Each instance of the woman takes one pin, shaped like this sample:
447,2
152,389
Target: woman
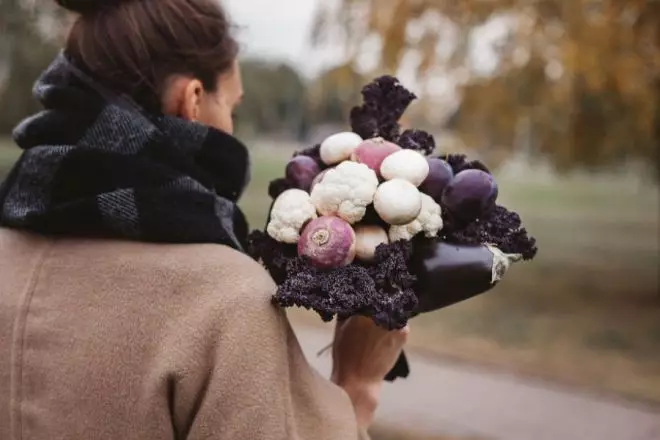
127,308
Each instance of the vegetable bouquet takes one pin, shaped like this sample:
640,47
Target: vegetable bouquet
370,222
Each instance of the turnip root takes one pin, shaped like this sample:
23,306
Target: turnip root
372,152
408,165
367,239
328,242
398,201
339,147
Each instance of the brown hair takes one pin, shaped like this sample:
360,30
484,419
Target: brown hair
133,46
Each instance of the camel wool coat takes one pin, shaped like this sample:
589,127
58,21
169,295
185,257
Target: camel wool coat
109,340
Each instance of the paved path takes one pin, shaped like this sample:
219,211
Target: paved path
463,400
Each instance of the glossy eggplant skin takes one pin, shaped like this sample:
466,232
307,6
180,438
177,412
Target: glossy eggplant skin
449,273
446,274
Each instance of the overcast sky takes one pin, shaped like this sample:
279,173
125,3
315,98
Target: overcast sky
278,29
281,28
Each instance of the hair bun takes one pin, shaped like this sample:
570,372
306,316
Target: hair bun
85,6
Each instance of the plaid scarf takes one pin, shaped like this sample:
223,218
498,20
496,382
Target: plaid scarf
95,164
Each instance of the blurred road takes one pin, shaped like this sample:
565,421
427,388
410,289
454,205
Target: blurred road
462,400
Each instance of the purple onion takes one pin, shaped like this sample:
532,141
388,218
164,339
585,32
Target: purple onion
470,195
440,174
301,171
328,242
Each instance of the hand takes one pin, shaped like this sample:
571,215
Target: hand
363,353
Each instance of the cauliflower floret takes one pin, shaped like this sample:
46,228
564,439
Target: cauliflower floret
404,232
428,221
430,216
291,210
345,191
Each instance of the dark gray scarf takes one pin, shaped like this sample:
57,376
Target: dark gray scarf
95,164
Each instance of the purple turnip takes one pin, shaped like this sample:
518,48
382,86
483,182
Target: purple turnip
301,171
327,242
470,195
373,151
440,174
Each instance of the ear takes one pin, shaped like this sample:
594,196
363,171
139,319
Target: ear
191,100
183,97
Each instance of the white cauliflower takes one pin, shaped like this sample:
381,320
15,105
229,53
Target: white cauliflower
291,210
404,232
428,221
345,191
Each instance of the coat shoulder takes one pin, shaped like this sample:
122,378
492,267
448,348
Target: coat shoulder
200,268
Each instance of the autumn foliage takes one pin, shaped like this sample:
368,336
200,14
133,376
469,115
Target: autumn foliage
580,78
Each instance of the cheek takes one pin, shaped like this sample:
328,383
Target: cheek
217,115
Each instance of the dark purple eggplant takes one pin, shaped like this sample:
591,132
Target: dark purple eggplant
450,273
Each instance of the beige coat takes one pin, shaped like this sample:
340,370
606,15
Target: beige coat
112,340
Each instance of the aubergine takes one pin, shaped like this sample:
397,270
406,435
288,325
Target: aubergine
450,273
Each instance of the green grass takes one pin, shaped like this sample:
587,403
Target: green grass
8,154
586,311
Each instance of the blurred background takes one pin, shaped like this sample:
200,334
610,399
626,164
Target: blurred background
560,97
